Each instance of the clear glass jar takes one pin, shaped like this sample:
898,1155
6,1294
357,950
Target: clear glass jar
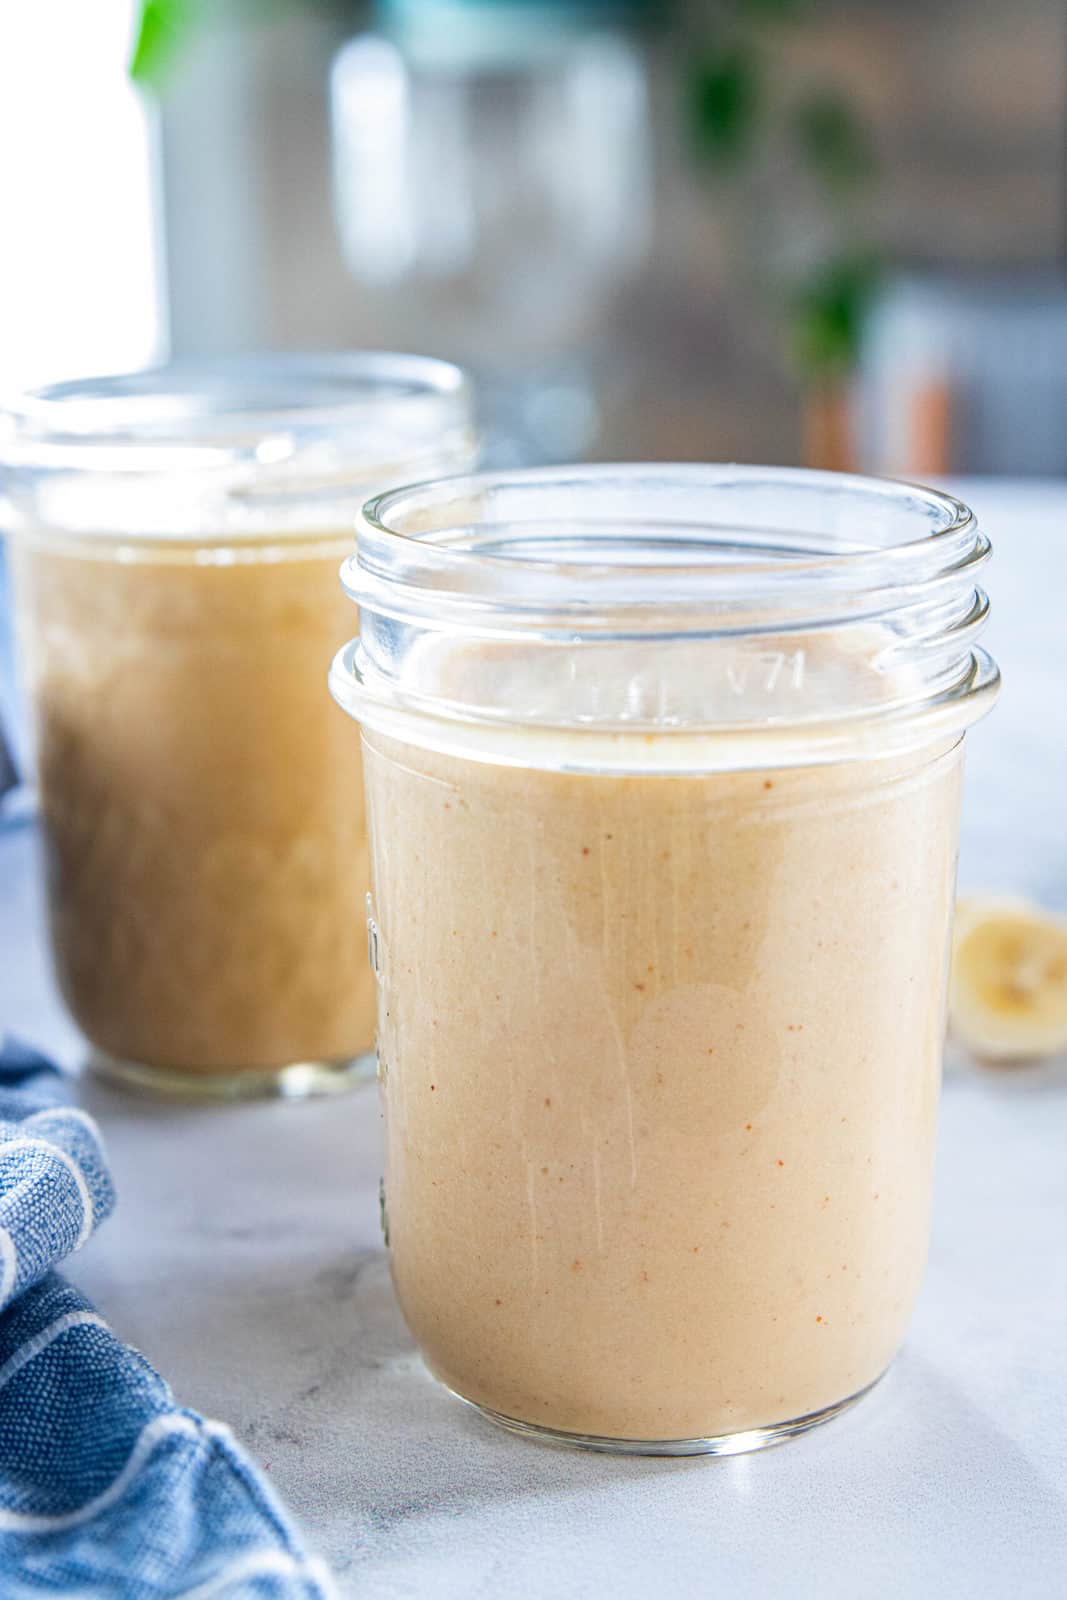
177,536
663,771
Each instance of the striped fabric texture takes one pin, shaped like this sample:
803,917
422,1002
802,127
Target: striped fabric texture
107,1488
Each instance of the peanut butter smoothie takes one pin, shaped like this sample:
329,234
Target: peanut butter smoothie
660,1064
663,781
177,537
198,795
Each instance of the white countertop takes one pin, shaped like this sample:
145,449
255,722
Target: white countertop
245,1261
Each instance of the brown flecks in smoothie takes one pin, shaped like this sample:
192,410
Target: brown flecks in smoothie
876,1196
433,1088
844,1266
818,1319
448,806
768,784
644,1276
666,855
650,968
492,933
609,836
711,1049
576,1266
724,1224
544,1171
826,1199
780,1163
748,1127
548,1101
498,1302
585,849
659,1077
696,1249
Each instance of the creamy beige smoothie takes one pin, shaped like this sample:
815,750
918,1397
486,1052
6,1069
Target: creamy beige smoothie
201,800
660,1058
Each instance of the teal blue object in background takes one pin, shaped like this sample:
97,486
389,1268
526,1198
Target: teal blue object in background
583,10
501,32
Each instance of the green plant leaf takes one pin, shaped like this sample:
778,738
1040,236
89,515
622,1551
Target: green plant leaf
828,314
835,142
164,27
722,104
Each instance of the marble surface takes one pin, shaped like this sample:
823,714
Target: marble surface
245,1261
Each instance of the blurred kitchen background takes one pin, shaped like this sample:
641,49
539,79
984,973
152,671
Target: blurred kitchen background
831,231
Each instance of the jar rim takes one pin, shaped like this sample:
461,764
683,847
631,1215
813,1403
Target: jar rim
707,476
249,448
853,601
496,571
201,411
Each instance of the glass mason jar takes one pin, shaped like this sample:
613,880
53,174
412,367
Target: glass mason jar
663,769
176,537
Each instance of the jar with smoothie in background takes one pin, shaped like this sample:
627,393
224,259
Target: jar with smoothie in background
663,772
176,539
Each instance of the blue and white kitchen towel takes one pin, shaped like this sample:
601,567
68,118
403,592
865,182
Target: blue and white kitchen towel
107,1488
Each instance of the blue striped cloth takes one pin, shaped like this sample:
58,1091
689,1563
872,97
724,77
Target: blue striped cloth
107,1488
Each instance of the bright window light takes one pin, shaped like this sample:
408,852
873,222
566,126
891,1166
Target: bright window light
80,264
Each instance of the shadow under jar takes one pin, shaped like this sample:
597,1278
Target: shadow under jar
177,536
663,771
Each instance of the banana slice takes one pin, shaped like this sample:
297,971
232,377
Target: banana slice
1008,989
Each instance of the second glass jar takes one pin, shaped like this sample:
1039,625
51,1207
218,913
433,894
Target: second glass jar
177,537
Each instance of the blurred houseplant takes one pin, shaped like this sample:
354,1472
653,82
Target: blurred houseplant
802,163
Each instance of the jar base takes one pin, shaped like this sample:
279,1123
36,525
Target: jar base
722,1444
299,1080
